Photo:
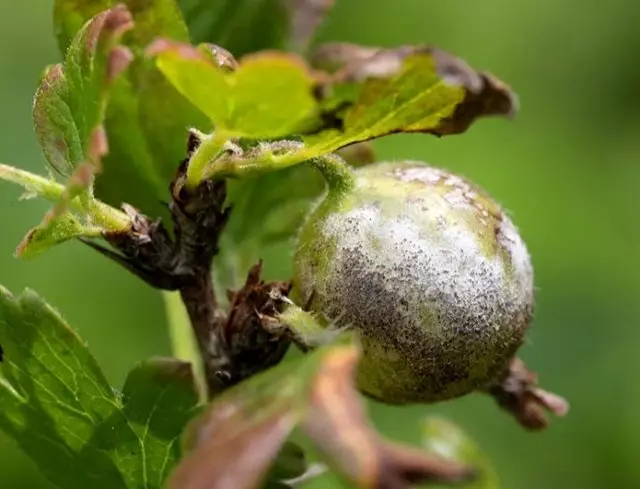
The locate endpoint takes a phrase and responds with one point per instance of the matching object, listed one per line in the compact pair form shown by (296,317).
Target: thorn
(154,279)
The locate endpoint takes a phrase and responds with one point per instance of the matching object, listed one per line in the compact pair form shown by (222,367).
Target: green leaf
(147,119)
(159,398)
(445,439)
(268,96)
(247,26)
(60,409)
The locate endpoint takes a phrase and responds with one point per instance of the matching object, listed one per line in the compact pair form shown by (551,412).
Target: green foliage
(53,231)
(70,104)
(241,26)
(266,97)
(59,407)
(68,112)
(146,119)
(445,439)
(247,26)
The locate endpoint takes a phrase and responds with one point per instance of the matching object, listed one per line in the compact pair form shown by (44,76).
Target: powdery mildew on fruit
(434,276)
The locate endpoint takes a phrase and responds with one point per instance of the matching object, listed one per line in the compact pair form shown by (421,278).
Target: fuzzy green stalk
(210,149)
(101,214)
(338,174)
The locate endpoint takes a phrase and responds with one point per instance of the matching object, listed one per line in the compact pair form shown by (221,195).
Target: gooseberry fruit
(428,270)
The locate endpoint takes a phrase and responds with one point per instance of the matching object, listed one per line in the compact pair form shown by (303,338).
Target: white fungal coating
(429,270)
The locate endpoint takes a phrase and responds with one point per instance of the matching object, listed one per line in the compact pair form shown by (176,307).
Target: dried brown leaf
(337,423)
(226,459)
(251,348)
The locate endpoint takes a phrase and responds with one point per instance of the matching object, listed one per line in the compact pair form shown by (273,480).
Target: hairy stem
(210,148)
(101,214)
(44,187)
(280,155)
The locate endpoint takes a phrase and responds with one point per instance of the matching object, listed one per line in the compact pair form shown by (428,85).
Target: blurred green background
(567,169)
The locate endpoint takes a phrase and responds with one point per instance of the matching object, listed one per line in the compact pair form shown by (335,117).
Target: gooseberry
(426,268)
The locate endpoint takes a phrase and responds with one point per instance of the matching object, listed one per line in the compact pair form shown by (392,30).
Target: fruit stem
(304,329)
(338,174)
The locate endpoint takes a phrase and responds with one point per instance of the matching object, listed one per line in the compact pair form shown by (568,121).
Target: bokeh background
(567,168)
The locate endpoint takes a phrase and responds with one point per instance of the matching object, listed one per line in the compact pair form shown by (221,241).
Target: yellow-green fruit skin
(428,269)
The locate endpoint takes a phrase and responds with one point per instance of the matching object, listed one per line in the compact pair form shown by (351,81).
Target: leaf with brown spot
(374,92)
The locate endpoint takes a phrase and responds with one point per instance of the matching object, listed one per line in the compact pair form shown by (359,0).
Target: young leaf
(55,229)
(68,112)
(58,406)
(146,119)
(247,26)
(372,93)
(448,441)
(70,104)
(268,96)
